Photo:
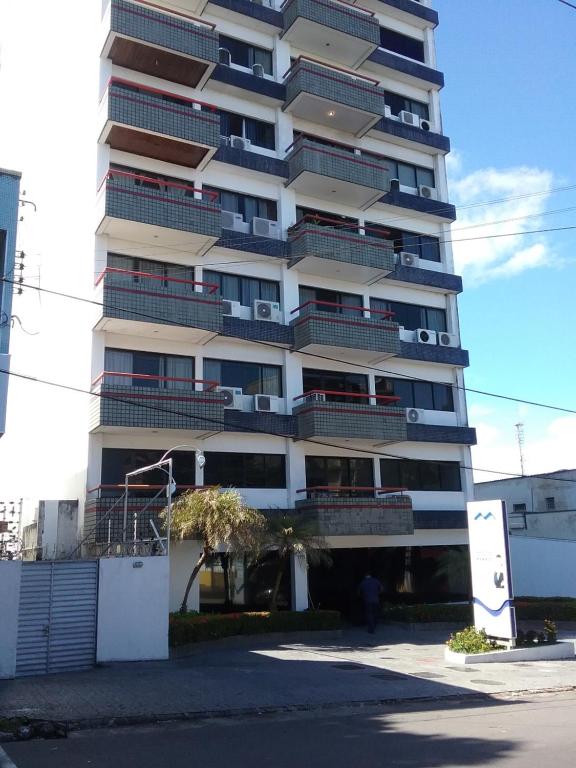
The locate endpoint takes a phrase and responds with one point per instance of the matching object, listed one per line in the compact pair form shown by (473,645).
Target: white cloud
(489,240)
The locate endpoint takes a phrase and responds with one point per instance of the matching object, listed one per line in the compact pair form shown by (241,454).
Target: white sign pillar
(490,565)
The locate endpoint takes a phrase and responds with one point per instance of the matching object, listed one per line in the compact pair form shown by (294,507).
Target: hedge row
(193,628)
(527,608)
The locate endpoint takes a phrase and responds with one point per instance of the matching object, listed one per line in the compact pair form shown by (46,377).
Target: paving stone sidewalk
(354,668)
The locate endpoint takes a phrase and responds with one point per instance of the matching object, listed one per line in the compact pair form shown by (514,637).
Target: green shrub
(552,608)
(456,612)
(471,640)
(189,628)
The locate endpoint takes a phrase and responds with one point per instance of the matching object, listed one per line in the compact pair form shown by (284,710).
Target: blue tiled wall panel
(417,9)
(9,192)
(253,10)
(258,330)
(431,353)
(252,161)
(411,133)
(259,423)
(420,204)
(434,433)
(407,66)
(338,17)
(449,519)
(429,277)
(249,82)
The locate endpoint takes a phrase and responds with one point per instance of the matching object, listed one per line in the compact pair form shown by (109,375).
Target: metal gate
(57,617)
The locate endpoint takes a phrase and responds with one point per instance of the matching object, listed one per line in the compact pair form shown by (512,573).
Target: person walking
(370,590)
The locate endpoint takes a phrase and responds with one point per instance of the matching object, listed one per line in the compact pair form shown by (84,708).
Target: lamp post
(165,465)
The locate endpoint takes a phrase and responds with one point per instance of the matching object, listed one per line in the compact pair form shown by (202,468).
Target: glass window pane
(178,367)
(405,391)
(450,476)
(435,319)
(407,175)
(429,476)
(429,248)
(423,395)
(409,475)
(271,380)
(407,315)
(269,291)
(390,473)
(425,177)
(443,397)
(231,288)
(212,370)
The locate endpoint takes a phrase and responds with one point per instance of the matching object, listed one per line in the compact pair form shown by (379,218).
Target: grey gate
(57,617)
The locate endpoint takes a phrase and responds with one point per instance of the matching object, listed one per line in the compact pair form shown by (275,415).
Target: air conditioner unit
(232,397)
(408,259)
(424,336)
(387,111)
(409,118)
(265,228)
(315,397)
(233,308)
(267,310)
(447,339)
(428,192)
(425,125)
(415,415)
(258,69)
(238,142)
(268,403)
(224,56)
(232,220)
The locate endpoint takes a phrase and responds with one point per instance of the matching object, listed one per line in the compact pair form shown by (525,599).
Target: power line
(408,377)
(565,2)
(253,430)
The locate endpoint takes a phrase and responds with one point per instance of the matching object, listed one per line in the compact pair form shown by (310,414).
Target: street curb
(123,721)
(5,761)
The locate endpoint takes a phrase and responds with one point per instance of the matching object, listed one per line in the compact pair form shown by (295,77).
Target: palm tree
(293,535)
(216,518)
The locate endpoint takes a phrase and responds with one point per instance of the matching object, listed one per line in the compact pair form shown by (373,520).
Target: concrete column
(299,573)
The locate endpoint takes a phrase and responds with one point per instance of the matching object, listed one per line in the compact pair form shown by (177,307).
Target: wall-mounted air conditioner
(415,415)
(233,308)
(428,192)
(268,403)
(387,111)
(232,220)
(232,397)
(409,118)
(425,125)
(238,142)
(258,69)
(267,310)
(425,336)
(224,56)
(408,259)
(447,339)
(315,397)
(265,228)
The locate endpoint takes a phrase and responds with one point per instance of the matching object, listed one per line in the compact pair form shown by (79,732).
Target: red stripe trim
(332,67)
(117,271)
(159,198)
(196,113)
(178,398)
(358,240)
(342,156)
(340,80)
(147,88)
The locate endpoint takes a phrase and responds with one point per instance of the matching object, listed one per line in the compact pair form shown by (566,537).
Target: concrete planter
(561,650)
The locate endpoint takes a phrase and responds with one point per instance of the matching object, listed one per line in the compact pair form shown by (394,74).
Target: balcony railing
(333,97)
(140,401)
(357,510)
(164,43)
(317,242)
(320,326)
(351,32)
(154,123)
(141,297)
(363,417)
(336,172)
(138,206)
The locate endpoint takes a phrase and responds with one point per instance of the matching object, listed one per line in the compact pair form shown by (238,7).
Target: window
(411,175)
(248,205)
(519,507)
(402,44)
(117,462)
(398,103)
(550,503)
(417,394)
(424,246)
(335,381)
(319,218)
(152,364)
(133,264)
(245,470)
(246,55)
(254,378)
(332,298)
(340,471)
(417,475)
(246,290)
(413,316)
(261,134)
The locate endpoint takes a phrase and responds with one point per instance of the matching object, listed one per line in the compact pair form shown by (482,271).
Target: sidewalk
(264,675)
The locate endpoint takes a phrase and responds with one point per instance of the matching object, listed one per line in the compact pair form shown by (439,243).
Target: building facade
(9,194)
(275,279)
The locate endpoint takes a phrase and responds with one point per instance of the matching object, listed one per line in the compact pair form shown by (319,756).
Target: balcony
(374,418)
(130,401)
(351,33)
(339,251)
(153,123)
(142,304)
(168,44)
(336,173)
(353,511)
(333,97)
(319,330)
(144,209)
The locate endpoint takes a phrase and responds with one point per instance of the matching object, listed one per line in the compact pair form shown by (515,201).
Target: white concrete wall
(132,609)
(10,573)
(543,567)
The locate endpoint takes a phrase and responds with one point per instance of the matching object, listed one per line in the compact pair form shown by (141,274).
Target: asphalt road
(530,732)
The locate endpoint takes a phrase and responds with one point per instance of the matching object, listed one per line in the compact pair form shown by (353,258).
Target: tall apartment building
(9,194)
(276,278)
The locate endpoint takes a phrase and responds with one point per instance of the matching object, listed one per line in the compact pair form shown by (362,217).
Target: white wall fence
(543,567)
